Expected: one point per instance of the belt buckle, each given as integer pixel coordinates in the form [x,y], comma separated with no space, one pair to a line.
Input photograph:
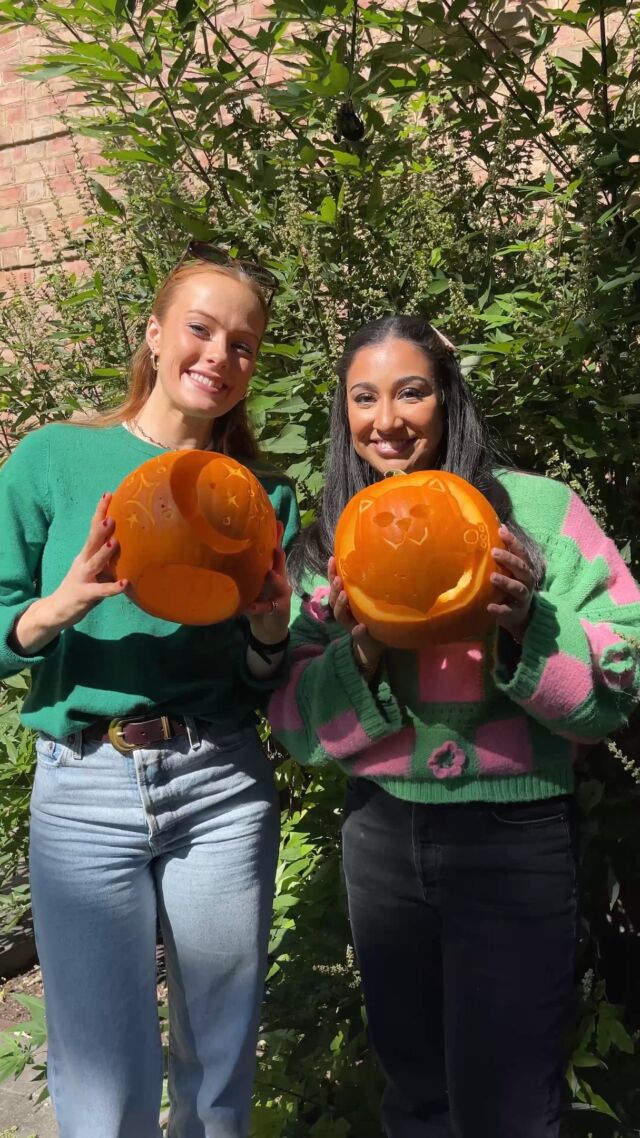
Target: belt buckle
[116,737]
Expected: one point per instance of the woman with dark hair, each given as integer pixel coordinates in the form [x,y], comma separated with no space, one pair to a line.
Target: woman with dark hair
[458,839]
[153,799]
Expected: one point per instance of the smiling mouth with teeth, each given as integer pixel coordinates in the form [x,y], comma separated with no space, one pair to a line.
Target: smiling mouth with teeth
[392,444]
[206,381]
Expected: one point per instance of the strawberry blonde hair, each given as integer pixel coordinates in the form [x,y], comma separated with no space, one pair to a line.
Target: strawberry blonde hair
[232,432]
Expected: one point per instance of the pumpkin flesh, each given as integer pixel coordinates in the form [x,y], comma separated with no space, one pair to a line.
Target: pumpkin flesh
[197,533]
[414,553]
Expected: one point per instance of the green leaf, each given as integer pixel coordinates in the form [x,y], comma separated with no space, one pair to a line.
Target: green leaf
[79,298]
[437,285]
[53,72]
[308,154]
[335,82]
[328,211]
[284,902]
[277,404]
[599,1104]
[106,200]
[127,56]
[185,10]
[131,156]
[345,158]
[618,282]
[292,440]
[529,99]
[590,67]
[585,1059]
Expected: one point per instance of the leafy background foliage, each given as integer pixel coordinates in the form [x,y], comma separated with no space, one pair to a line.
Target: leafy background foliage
[495,188]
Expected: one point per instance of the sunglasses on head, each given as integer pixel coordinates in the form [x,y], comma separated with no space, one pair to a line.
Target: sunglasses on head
[203,251]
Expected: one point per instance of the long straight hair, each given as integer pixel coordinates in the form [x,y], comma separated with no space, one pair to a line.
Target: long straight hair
[464,450]
[232,432]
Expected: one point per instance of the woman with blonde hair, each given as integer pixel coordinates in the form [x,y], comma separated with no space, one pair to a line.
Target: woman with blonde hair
[152,799]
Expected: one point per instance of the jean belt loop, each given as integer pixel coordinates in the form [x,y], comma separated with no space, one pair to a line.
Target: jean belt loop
[193,734]
[75,744]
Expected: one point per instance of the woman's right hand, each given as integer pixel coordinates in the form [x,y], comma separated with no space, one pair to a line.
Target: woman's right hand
[87,583]
[367,651]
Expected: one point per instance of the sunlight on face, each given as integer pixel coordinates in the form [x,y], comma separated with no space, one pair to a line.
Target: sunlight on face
[206,343]
[394,407]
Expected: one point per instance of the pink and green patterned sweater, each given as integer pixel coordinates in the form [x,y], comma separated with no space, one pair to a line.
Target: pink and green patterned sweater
[473,720]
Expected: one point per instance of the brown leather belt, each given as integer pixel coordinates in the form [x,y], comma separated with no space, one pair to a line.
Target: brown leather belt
[129,734]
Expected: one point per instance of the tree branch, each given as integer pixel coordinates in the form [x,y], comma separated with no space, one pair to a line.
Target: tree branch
[529,69]
[550,142]
[257,86]
[196,168]
[606,109]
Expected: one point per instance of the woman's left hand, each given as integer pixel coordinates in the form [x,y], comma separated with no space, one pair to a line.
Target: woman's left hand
[269,614]
[517,586]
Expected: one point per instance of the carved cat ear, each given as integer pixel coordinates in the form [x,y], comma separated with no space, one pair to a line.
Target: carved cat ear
[437,484]
[195,480]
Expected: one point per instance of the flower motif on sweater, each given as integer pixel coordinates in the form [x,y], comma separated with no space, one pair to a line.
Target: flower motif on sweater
[447,761]
[316,605]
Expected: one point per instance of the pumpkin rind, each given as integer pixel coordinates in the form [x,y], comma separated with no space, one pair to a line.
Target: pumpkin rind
[414,554]
[196,532]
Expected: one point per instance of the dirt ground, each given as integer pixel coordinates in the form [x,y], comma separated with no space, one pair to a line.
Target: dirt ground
[29,983]
[11,1012]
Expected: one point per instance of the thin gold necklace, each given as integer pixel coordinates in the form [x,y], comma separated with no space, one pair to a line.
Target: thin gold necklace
[164,446]
[138,429]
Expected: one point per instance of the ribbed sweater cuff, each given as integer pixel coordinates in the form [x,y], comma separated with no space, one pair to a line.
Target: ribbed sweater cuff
[12,662]
[537,646]
[376,706]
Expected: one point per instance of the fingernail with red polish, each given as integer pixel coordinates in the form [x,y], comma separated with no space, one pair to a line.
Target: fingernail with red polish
[108,544]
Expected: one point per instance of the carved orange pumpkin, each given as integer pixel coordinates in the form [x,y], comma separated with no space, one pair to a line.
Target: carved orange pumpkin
[414,553]
[196,532]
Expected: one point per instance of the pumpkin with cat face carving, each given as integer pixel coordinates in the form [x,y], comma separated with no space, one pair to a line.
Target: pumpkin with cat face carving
[414,555]
[196,532]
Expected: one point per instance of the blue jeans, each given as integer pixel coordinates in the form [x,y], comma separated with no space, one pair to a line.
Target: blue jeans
[186,832]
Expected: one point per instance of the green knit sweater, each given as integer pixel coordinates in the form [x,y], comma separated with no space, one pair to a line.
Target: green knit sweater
[476,720]
[117,660]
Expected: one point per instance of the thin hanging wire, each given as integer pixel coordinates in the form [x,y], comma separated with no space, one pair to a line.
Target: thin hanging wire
[352,65]
[354,36]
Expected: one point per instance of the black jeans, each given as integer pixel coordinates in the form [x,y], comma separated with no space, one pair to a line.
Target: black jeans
[464,925]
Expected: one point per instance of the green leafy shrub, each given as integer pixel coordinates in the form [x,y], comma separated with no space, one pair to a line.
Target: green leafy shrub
[495,189]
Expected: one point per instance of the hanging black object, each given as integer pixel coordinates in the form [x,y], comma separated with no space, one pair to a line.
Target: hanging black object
[349,125]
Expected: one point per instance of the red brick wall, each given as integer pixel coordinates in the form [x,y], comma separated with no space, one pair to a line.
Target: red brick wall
[37,160]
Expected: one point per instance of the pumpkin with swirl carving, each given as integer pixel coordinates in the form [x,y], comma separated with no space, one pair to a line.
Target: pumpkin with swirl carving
[414,554]
[196,532]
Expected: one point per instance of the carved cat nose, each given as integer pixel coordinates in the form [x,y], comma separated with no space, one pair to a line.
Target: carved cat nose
[404,524]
